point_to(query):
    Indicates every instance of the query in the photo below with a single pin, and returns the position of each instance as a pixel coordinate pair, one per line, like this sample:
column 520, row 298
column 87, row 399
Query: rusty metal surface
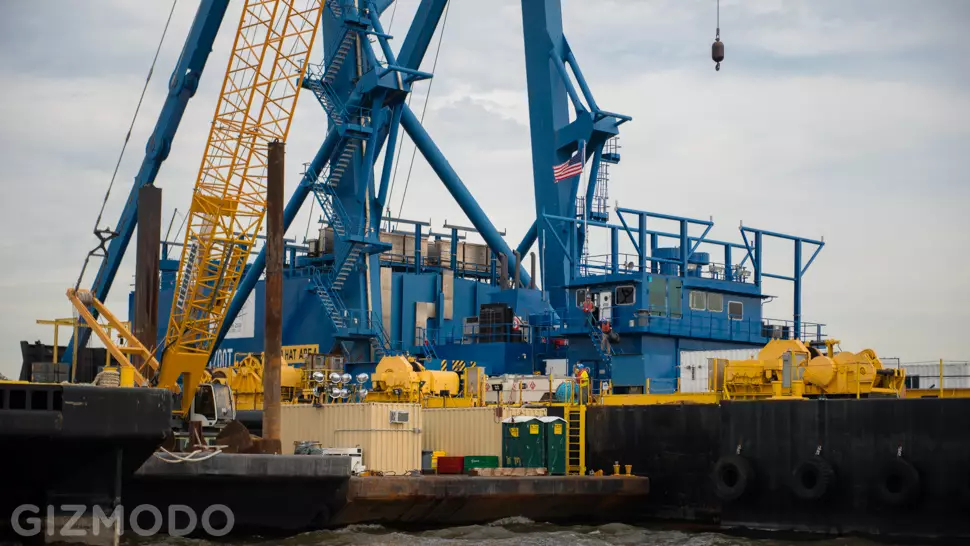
column 441, row 500
column 235, row 437
column 273, row 346
column 145, row 317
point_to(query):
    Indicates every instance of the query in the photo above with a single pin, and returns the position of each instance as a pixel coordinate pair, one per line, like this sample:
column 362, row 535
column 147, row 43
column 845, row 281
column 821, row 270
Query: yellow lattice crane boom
column 256, row 104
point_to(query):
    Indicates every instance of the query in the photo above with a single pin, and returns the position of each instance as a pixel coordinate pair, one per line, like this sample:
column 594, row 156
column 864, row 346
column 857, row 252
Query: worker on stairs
column 607, row 330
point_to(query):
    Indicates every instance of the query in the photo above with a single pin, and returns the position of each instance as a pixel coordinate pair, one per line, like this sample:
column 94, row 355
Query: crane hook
column 717, row 49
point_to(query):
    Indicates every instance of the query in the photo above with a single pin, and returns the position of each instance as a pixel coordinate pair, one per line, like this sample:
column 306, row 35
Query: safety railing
column 938, row 376
column 477, row 333
column 688, row 324
column 602, row 264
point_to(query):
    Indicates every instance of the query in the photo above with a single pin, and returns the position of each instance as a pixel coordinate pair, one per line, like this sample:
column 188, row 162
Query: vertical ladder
column 575, row 439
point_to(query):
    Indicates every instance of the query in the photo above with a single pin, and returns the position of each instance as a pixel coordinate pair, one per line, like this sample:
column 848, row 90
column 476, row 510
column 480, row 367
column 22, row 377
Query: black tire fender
column 812, row 478
column 733, row 477
column 899, row 482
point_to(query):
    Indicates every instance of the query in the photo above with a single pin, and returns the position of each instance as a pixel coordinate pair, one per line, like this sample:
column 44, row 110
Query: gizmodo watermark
column 144, row 520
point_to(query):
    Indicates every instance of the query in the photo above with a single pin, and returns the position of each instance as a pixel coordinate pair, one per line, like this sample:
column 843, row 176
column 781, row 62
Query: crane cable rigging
column 717, row 48
column 107, row 234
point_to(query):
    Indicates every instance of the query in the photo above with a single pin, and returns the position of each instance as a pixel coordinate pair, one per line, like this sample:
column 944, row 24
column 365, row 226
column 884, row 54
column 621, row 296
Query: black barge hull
column 898, row 468
column 73, row 444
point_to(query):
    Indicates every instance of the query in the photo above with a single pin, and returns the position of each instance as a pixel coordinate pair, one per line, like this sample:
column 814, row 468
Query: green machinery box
column 480, row 461
column 555, row 445
column 523, row 442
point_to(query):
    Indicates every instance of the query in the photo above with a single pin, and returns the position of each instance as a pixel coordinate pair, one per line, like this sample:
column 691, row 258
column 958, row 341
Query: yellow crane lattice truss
column 256, row 105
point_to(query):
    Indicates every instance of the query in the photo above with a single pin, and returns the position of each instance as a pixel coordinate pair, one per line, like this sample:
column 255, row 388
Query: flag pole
column 582, row 175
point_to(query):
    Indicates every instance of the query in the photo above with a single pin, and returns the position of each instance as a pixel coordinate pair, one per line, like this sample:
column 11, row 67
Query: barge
column 387, row 310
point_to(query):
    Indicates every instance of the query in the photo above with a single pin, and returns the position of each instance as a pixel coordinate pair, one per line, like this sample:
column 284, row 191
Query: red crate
column 451, row 465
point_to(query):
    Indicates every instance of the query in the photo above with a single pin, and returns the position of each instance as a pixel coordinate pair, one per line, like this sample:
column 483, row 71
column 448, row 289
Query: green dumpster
column 523, row 442
column 555, row 445
column 480, row 461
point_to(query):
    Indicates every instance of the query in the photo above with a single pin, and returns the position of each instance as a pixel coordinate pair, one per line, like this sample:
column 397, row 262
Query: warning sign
column 557, row 429
column 532, row 385
column 533, row 429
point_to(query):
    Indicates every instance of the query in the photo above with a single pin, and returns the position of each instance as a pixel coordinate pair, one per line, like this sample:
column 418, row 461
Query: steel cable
column 124, row 146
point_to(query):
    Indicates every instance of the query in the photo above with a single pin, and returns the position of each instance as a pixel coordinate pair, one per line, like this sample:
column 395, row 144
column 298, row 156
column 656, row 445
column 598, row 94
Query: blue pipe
column 375, row 20
column 182, row 86
column 428, row 148
column 389, row 157
column 591, row 185
column 567, row 83
column 583, row 86
column 528, row 240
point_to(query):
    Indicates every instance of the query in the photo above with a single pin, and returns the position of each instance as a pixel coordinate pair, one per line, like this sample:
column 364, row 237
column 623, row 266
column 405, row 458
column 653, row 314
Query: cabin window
column 735, row 310
column 580, row 297
column 715, row 302
column 698, row 300
column 625, row 295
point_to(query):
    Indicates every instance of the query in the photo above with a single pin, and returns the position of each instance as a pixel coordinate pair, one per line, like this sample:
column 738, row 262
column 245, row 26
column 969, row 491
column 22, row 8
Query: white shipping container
column 515, row 389
column 956, row 375
column 696, row 367
column 388, row 443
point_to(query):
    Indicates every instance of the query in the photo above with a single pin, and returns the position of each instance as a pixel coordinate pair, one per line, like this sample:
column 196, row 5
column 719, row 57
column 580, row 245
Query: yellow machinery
column 255, row 107
column 403, row 379
column 790, row 369
column 245, row 379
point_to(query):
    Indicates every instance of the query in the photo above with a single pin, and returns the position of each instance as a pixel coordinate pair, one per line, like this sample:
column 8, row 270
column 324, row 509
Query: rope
column 191, row 457
column 106, row 235
column 424, row 110
column 108, row 378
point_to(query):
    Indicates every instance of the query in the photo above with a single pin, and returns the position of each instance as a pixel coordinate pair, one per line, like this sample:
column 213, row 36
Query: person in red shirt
column 606, row 327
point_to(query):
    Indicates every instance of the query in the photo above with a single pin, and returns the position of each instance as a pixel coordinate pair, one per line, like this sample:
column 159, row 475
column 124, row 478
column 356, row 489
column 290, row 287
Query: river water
column 512, row 532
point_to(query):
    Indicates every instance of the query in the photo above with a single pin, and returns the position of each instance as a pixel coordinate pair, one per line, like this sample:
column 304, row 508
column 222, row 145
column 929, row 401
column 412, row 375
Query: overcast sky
column 847, row 119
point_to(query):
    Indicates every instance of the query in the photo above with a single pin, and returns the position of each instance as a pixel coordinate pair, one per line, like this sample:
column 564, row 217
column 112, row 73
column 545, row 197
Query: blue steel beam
column 182, row 87
column 431, row 152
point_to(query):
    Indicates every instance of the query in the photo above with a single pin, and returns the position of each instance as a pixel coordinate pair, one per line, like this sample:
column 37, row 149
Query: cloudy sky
column 843, row 119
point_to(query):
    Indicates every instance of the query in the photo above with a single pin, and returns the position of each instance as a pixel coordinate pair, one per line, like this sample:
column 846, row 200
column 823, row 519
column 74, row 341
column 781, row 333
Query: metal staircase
column 331, row 301
column 353, row 127
column 596, row 335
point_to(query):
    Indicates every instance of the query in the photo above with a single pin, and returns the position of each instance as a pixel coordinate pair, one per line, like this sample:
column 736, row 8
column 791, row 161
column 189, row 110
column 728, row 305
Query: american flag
column 569, row 169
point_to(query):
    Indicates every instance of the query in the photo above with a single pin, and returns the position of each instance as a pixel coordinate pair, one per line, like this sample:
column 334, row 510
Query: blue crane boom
column 182, row 87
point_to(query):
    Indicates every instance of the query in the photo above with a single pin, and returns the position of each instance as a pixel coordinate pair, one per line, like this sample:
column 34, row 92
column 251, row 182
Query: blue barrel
column 565, row 392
